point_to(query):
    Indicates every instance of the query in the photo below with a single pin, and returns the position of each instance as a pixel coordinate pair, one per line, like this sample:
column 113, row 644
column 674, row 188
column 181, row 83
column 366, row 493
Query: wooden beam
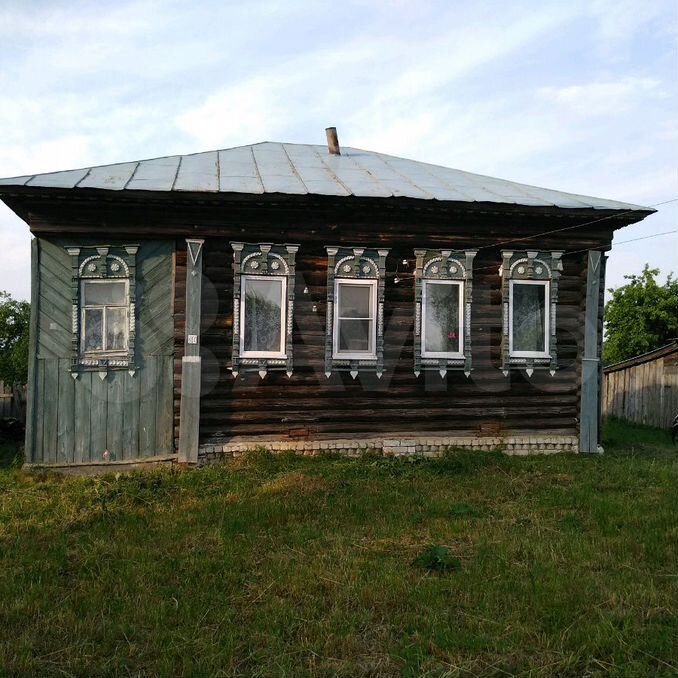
column 590, row 395
column 189, row 413
column 31, row 410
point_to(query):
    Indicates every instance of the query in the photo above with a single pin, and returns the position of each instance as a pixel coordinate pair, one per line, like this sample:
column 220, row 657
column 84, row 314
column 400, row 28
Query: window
column 529, row 318
column 442, row 325
column 355, row 323
column 263, row 316
column 103, row 313
column 443, row 288
column 263, row 307
column 104, row 320
column 530, row 300
column 354, row 338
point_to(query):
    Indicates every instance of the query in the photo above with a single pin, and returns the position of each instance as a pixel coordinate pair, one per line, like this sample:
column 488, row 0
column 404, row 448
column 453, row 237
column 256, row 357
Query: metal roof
column 304, row 169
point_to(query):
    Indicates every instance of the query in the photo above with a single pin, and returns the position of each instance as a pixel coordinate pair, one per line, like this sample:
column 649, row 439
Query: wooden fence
column 644, row 389
column 13, row 402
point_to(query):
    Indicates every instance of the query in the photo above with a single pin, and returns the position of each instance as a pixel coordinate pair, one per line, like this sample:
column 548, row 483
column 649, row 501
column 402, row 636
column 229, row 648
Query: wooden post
column 31, row 409
column 588, row 419
column 189, row 412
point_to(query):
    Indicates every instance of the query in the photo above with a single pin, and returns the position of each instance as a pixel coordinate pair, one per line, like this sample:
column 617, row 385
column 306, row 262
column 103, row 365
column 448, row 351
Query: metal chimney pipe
column 332, row 141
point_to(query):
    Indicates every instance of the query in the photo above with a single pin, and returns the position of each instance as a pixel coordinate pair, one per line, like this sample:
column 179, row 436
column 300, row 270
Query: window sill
column 263, row 356
column 354, row 356
column 528, row 354
column 444, row 356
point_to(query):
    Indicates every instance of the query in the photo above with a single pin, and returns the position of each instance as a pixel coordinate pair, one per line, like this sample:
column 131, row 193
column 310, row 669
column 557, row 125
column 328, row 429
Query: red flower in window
column 451, row 336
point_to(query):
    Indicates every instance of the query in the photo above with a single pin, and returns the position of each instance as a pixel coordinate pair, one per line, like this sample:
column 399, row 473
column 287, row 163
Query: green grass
column 470, row 565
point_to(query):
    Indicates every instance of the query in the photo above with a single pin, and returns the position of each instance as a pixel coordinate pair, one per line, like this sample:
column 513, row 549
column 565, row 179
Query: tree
column 641, row 316
column 14, row 322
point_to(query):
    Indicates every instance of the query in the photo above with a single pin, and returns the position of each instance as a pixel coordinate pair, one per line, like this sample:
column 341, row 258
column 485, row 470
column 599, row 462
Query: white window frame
column 104, row 352
column 348, row 355
column 546, row 353
column 283, row 315
column 460, row 328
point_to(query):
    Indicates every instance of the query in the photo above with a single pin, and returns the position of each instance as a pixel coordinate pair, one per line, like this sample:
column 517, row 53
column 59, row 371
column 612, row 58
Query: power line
column 567, row 228
column 624, row 242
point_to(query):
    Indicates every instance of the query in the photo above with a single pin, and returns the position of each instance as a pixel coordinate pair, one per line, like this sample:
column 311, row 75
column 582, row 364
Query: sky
column 580, row 96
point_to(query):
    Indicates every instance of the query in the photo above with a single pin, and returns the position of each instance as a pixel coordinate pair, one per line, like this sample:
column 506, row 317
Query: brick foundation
column 424, row 446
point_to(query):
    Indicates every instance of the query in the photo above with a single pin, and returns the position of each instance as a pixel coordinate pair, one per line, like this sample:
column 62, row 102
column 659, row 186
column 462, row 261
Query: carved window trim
column 262, row 260
column 102, row 263
column 445, row 266
column 530, row 267
column 355, row 264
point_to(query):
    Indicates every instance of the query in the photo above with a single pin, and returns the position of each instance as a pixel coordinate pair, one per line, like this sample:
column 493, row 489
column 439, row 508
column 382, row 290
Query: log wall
column 309, row 404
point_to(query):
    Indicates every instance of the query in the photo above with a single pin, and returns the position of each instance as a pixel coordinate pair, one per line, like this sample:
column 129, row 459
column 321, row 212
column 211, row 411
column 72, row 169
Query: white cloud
column 603, row 98
column 15, row 255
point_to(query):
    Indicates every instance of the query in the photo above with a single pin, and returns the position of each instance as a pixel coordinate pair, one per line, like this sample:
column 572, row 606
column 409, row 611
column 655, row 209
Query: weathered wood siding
column 13, row 401
column 75, row 420
column 309, row 403
column 644, row 390
column 399, row 402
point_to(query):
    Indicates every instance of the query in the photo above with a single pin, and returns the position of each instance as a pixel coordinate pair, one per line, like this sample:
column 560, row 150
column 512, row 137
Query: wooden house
column 309, row 298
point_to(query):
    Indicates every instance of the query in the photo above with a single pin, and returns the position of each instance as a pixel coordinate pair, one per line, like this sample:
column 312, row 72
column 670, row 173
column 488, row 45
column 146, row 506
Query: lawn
column 475, row 564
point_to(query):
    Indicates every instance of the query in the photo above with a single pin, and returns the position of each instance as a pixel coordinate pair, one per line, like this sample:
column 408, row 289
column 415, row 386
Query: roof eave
column 634, row 214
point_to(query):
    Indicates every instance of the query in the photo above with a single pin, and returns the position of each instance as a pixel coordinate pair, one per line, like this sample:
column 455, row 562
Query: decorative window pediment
column 104, row 309
column 530, row 299
column 443, row 289
column 354, row 338
column 263, row 307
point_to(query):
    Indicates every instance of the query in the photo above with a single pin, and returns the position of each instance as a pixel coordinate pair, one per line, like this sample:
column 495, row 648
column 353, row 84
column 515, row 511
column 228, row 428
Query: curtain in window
column 263, row 303
column 441, row 317
column 529, row 319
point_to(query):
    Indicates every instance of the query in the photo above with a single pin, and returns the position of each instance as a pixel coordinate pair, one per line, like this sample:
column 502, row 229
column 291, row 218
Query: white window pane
column 263, row 303
column 354, row 301
column 529, row 318
column 441, row 315
column 355, row 336
column 93, row 330
column 116, row 329
column 101, row 293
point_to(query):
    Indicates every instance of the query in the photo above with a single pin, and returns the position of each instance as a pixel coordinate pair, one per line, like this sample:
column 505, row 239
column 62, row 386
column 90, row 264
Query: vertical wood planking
column 65, row 414
column 31, row 399
column 39, row 451
column 165, row 405
column 83, row 400
column 114, row 417
column 76, row 420
column 130, row 416
column 50, row 407
column 147, row 406
column 643, row 390
column 98, row 417
column 588, row 434
column 191, row 367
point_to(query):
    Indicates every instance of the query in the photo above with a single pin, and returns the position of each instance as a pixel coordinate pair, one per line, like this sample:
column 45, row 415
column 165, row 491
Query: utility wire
column 624, row 242
column 567, row 228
